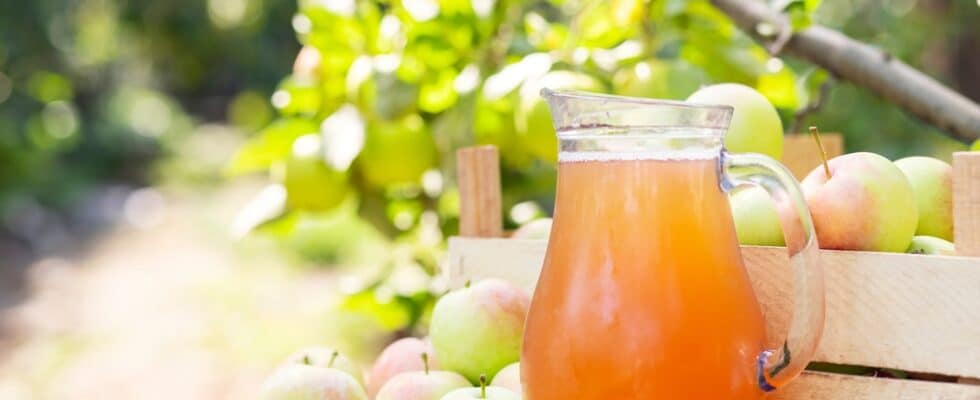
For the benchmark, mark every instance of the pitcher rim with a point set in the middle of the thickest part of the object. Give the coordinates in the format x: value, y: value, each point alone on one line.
x: 579, y: 94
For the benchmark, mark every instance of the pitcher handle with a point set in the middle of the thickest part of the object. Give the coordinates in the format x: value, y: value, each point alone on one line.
x: 779, y: 366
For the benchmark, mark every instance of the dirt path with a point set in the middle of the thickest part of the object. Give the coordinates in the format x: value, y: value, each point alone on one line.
x: 172, y: 310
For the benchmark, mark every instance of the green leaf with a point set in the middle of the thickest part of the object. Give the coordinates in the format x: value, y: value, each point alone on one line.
x: 273, y: 144
x: 800, y: 12
x: 808, y: 85
x: 297, y: 96
x: 439, y: 93
x: 387, y: 310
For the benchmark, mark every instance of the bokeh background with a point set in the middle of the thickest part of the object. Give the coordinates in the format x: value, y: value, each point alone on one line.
x: 192, y: 189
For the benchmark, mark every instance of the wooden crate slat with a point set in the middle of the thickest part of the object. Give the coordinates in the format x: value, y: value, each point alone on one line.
x: 821, y: 386
x: 920, y: 314
x: 801, y: 155
x: 478, y: 176
x: 966, y: 202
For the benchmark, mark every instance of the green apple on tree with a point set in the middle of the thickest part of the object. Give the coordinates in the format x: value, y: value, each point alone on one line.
x: 400, y: 356
x: 326, y: 358
x: 931, y: 245
x: 755, y: 126
x: 862, y: 201
x: 310, y: 183
x: 307, y: 382
x: 483, y: 392
x: 398, y: 151
x: 932, y: 183
x: 509, y: 378
x: 479, y: 329
x: 535, y: 130
x: 421, y: 385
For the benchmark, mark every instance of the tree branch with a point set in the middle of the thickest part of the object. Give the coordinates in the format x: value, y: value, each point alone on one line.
x: 863, y: 65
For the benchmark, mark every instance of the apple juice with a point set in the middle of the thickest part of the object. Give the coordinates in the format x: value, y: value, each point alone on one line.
x: 643, y: 294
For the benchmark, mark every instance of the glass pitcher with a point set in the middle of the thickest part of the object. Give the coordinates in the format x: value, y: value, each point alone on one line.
x: 644, y: 294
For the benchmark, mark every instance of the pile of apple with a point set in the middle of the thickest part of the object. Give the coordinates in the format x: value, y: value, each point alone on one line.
x: 475, y: 334
x: 859, y: 201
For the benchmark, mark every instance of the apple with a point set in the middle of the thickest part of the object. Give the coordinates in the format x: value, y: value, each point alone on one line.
x: 310, y: 183
x: 866, y: 204
x: 537, y: 229
x: 756, y: 219
x: 479, y: 329
x: 326, y: 358
x: 932, y: 183
x: 483, y: 392
x: 402, y: 355
x: 397, y: 152
x: 976, y: 146
x: 755, y: 127
x: 931, y: 245
x: 509, y: 378
x: 307, y: 382
x: 421, y: 385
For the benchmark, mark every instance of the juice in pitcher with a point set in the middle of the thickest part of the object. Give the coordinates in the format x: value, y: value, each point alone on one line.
x: 643, y: 294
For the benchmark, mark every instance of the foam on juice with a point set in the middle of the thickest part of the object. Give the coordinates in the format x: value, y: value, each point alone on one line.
x: 660, y: 155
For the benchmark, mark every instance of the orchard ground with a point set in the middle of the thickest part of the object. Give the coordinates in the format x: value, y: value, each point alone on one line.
x: 175, y: 310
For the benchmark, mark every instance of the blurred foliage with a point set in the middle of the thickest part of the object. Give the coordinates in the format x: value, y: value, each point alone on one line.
x: 92, y: 92
x: 383, y: 92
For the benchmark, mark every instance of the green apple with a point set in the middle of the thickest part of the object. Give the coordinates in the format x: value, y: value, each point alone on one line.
x: 539, y: 229
x: 535, y: 130
x: 398, y: 151
x: 509, y: 378
x: 931, y: 245
x: 403, y: 355
x: 479, y: 329
x: 306, y: 382
x: 756, y: 219
x: 932, y: 183
x: 976, y: 145
x: 483, y: 392
x: 421, y: 385
x: 311, y: 184
x: 866, y: 204
x: 324, y: 357
x: 755, y: 127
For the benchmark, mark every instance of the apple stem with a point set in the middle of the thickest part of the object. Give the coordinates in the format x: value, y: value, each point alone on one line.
x: 467, y: 285
x: 823, y: 153
x: 306, y: 359
x: 483, y: 386
x: 425, y: 362
x: 333, y: 357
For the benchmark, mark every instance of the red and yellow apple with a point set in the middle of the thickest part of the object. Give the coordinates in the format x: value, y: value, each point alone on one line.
x: 307, y: 382
x: 865, y: 204
x: 421, y: 385
x: 478, y: 330
x: 509, y: 378
x: 403, y: 355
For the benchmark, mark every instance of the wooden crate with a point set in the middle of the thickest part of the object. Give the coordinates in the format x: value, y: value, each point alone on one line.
x: 914, y: 313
